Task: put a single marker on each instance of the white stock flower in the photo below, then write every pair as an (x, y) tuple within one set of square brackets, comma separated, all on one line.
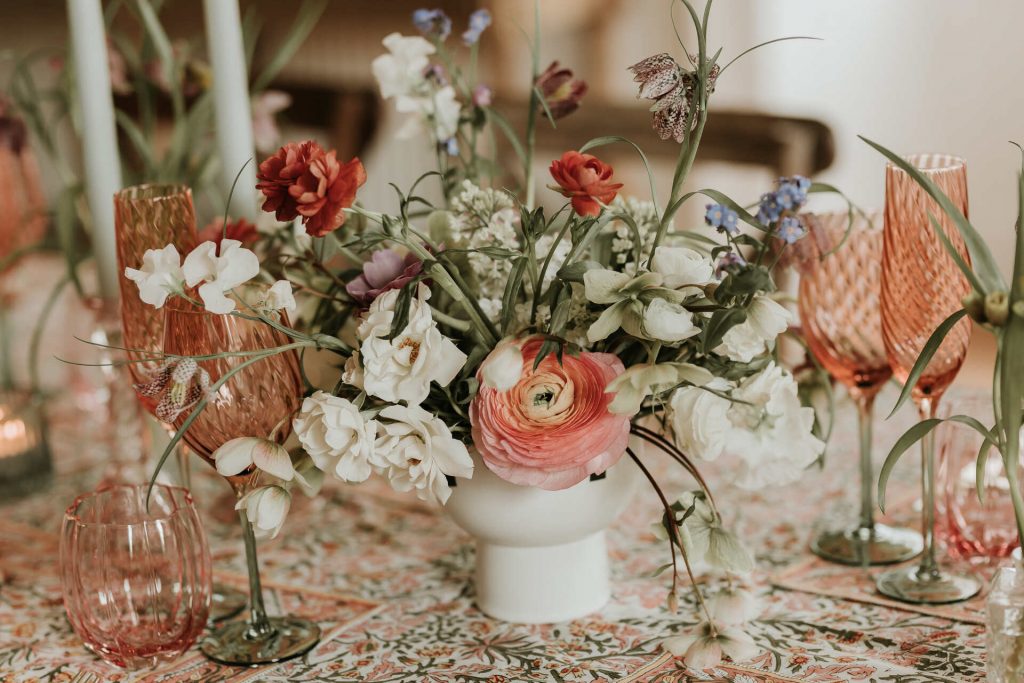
[(336, 436), (503, 366), (400, 71), (681, 266), (700, 419), (237, 455), (437, 111), (219, 273), (766, 319), (279, 297), (159, 276), (266, 508), (771, 430), (401, 369), (419, 451)]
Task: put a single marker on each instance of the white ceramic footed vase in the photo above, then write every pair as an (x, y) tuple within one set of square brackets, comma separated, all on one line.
[(541, 555)]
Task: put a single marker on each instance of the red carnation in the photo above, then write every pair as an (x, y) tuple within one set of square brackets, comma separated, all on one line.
[(586, 179), (277, 174), (325, 190)]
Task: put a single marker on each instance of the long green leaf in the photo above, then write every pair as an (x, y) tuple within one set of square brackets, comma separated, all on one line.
[(981, 257), (925, 357), (610, 139), (954, 253), (304, 23)]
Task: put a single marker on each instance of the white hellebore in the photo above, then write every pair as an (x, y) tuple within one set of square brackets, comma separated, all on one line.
[(336, 436), (159, 276), (266, 508), (401, 369), (219, 273), (400, 71), (238, 455), (503, 366), (418, 451), (766, 319), (279, 297), (700, 419), (681, 266)]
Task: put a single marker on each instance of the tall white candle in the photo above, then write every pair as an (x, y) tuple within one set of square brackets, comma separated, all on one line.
[(99, 134), (231, 103)]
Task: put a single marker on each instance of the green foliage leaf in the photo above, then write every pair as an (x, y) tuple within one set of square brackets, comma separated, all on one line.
[(721, 322), (925, 357)]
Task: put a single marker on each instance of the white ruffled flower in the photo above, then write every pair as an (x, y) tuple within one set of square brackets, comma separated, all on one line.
[(438, 111), (700, 419), (238, 455), (503, 366), (336, 436), (266, 508), (420, 451), (667, 321), (219, 273), (401, 369), (400, 72), (771, 430), (681, 266), (280, 297), (766, 319), (159, 276)]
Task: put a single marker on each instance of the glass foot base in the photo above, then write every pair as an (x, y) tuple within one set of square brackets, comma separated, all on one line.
[(235, 644), (880, 545), (226, 602), (910, 584)]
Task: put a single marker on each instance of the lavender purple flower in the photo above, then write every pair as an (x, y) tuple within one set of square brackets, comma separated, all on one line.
[(385, 270)]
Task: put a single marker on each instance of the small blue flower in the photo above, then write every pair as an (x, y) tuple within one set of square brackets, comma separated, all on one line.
[(770, 209), (451, 145), (478, 23), (792, 192), (723, 218), (433, 23), (729, 262), (791, 229)]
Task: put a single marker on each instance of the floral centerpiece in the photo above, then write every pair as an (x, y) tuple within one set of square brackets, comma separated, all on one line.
[(487, 333)]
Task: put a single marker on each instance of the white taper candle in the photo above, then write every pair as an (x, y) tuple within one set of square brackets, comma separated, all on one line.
[(231, 102), (102, 164)]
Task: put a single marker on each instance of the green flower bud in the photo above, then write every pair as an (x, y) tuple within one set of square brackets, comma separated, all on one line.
[(997, 307), (974, 303)]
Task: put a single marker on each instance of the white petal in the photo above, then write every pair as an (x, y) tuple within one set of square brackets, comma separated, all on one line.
[(234, 456), (200, 264), (273, 459), (678, 645), (214, 300), (602, 286), (503, 367), (668, 322), (236, 265)]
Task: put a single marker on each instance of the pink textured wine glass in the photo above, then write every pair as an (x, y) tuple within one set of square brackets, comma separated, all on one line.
[(842, 323), (136, 577), (921, 287)]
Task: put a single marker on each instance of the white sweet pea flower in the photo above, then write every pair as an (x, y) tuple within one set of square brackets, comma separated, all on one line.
[(400, 72), (766, 319), (336, 436), (503, 366), (437, 111), (666, 321), (700, 419), (681, 266), (159, 276), (419, 451), (280, 297), (771, 430), (238, 455), (401, 369), (266, 507), (221, 273)]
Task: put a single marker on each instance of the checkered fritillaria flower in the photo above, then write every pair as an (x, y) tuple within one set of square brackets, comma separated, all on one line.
[(180, 384)]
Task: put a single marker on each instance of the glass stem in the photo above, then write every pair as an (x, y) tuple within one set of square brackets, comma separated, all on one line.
[(929, 567), (865, 404), (259, 625)]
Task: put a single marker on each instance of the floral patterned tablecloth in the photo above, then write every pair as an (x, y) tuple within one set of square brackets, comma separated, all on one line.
[(388, 578)]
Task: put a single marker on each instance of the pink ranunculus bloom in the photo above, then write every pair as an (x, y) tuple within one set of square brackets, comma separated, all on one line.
[(553, 428), (385, 270)]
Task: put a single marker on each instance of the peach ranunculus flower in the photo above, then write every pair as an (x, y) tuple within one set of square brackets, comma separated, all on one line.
[(586, 180), (552, 429)]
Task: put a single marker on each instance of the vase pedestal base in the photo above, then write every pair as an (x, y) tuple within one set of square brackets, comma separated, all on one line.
[(542, 585)]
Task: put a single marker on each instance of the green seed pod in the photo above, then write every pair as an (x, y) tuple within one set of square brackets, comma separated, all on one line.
[(997, 308), (974, 303)]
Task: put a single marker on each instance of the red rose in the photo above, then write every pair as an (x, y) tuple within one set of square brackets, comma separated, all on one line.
[(586, 179), (278, 173), (325, 190)]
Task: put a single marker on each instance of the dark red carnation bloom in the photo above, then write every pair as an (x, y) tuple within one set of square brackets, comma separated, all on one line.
[(325, 190), (278, 173)]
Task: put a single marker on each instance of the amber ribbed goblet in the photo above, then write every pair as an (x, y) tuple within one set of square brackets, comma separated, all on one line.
[(258, 400), (921, 287), (841, 320)]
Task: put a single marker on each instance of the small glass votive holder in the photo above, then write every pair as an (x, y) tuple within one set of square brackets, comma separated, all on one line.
[(136, 575), (25, 465)]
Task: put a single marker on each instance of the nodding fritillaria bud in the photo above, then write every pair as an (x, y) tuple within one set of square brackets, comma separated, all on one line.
[(974, 303), (997, 308), (673, 602)]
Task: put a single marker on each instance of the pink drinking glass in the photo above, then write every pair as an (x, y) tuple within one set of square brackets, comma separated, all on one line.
[(136, 578)]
